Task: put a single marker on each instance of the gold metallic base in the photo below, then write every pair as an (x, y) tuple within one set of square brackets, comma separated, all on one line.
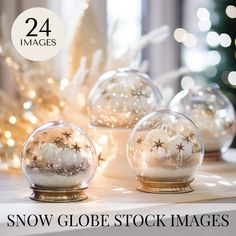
[(164, 187), (212, 156), (45, 195)]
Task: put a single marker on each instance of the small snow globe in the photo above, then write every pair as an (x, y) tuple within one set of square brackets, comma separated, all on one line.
[(213, 114), (59, 161), (119, 99), (165, 151)]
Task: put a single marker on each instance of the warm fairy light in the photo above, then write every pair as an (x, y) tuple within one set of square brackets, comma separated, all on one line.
[(98, 148), (16, 162), (203, 13), (231, 11), (12, 120), (103, 139), (190, 41), (199, 63), (85, 5), (10, 142), (39, 100), (62, 104), (204, 25), (180, 35), (187, 82), (232, 78), (30, 117), (81, 100), (50, 81), (27, 105), (32, 94), (212, 39), (8, 134), (225, 40), (33, 119), (64, 83)]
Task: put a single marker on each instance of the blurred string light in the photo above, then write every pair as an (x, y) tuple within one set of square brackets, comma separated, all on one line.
[(231, 11), (181, 36), (232, 78), (187, 82), (213, 39), (203, 13), (204, 23), (12, 120), (201, 60), (213, 58), (225, 40), (191, 41)]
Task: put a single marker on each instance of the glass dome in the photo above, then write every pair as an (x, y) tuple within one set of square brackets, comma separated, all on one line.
[(58, 157), (121, 97), (165, 150), (213, 114)]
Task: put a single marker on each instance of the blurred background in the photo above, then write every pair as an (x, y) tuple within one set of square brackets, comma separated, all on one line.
[(201, 47)]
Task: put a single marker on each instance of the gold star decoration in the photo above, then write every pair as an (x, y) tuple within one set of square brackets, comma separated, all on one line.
[(76, 147), (180, 147), (100, 158), (63, 145), (36, 141), (28, 151), (195, 145), (58, 141), (139, 140), (158, 144), (191, 135), (67, 134), (87, 146), (104, 92), (138, 93), (209, 112), (187, 139)]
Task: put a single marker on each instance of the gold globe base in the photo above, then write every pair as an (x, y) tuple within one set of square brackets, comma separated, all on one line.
[(212, 157), (45, 195), (164, 187)]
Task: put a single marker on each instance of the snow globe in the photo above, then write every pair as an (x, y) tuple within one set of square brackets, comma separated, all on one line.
[(165, 151), (118, 100), (59, 160), (213, 114)]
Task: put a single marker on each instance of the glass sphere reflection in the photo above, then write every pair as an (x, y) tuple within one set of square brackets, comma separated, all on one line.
[(165, 147), (212, 112), (121, 97), (59, 155)]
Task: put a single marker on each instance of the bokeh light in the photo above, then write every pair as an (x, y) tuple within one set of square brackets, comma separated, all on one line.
[(232, 78), (190, 41), (203, 13), (231, 11), (204, 25), (225, 40), (187, 82), (212, 39), (180, 35)]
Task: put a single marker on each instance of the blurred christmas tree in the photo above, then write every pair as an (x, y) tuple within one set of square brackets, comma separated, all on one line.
[(224, 24)]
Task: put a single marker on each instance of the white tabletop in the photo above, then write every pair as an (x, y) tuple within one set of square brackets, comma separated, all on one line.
[(215, 182)]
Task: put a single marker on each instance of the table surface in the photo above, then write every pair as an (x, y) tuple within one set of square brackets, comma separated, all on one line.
[(215, 183)]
